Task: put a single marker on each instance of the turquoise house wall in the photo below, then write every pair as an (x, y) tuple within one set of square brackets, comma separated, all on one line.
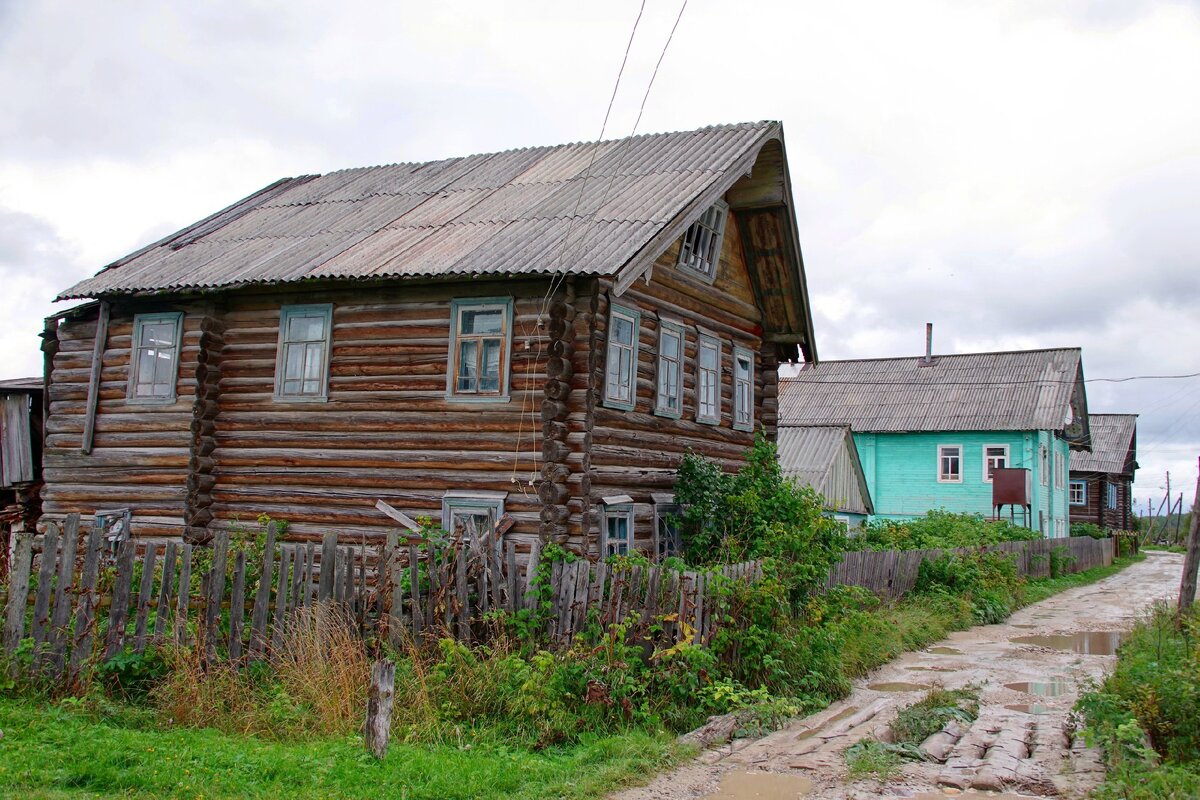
[(902, 474)]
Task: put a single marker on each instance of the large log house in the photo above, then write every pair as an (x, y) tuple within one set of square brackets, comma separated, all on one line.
[(541, 333)]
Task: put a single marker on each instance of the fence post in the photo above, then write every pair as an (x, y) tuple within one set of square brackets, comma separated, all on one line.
[(262, 598), (379, 707)]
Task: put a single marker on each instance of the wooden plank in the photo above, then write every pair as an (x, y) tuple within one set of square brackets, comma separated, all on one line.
[(85, 611), (496, 573), (328, 567), (237, 606), (216, 592), (463, 609), (348, 579), (698, 613), (118, 612), (145, 598), (18, 591), (93, 395), (165, 593), (40, 623), (281, 598), (414, 589), (482, 598), (183, 596), (515, 599), (299, 565), (379, 707), (310, 561), (262, 597), (535, 555), (399, 516), (64, 594), (387, 586), (446, 578)]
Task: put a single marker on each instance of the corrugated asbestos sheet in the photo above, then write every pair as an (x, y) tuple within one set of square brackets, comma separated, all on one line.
[(825, 458), (1112, 436), (518, 212), (1021, 390)]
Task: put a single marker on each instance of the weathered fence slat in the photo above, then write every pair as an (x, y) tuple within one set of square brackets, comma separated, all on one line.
[(64, 594), (237, 606), (164, 596), (118, 612), (145, 599), (328, 566), (85, 619), (18, 591), (281, 595), (262, 597), (216, 593), (414, 588), (41, 605), (184, 596)]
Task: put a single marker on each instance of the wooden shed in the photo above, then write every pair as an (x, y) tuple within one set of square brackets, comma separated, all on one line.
[(20, 457), (540, 333), (825, 458)]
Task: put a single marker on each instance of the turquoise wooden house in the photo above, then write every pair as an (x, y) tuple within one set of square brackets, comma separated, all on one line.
[(929, 431)]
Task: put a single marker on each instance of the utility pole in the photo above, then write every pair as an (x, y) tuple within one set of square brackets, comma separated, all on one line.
[(1191, 561)]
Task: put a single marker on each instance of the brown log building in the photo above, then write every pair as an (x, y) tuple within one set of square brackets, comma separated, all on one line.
[(541, 333), (1101, 488)]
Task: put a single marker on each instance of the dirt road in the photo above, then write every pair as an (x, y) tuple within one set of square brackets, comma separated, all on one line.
[(1029, 671)]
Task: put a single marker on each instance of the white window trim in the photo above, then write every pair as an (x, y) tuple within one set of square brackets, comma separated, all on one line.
[(664, 504), (504, 304), (284, 313), (616, 510), (635, 319), (704, 339), (1044, 464), (1060, 470), (720, 210), (466, 500), (139, 322), (942, 447), (748, 354), (1083, 492), (987, 478), (669, 327)]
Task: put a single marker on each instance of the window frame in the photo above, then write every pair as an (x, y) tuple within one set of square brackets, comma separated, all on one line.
[(987, 478), (1060, 470), (471, 500), (665, 507), (285, 313), (740, 353), (669, 327), (457, 306), (701, 417), (959, 448), (712, 222), (1111, 501), (1044, 464), (634, 317), (1082, 493), (140, 321), (616, 511)]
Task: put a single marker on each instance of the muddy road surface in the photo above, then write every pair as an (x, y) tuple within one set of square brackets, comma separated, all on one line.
[(1029, 671)]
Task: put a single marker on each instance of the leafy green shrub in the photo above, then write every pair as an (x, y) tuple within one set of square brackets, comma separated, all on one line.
[(917, 722), (131, 676), (939, 529), (1088, 529), (988, 580)]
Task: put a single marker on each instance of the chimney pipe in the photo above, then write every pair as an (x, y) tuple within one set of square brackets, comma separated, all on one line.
[(928, 342)]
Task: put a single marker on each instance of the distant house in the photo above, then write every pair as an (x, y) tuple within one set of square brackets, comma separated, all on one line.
[(540, 334), (929, 431), (1101, 489), (20, 457), (825, 458)]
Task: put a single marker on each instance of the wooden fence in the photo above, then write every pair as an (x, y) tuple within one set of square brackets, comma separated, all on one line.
[(235, 602), (893, 573)]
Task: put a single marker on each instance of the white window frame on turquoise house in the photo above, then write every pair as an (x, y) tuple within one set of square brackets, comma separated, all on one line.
[(1044, 463), (743, 389), (700, 249), (159, 353), (456, 391), (616, 510), (708, 381), (994, 461), (668, 401), (1060, 471), (621, 360), (956, 476), (1077, 493), (310, 348)]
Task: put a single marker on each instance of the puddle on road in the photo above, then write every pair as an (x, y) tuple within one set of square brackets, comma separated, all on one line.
[(1029, 708), (838, 717), (945, 651), (746, 785), (1051, 687), (897, 686), (1094, 643)]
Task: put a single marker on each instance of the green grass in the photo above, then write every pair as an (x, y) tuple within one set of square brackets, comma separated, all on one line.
[(53, 752), (1164, 548), (1041, 588)]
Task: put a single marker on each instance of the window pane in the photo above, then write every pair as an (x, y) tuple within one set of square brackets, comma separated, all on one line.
[(471, 524), (145, 371), (670, 346), (489, 380), (708, 357), (622, 330), (314, 355), (468, 366), (293, 362), (477, 321), (158, 334), (306, 328)]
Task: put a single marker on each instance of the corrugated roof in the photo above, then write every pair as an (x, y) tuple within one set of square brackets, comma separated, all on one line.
[(1112, 436), (500, 213), (21, 385), (1020, 390), (825, 458)]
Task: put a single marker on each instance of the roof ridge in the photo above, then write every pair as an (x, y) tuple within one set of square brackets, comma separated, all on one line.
[(919, 356)]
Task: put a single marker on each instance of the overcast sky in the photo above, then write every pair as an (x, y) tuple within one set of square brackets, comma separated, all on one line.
[(1022, 174)]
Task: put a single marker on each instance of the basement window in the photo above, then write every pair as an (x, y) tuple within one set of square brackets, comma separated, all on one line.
[(701, 247), (950, 463), (1078, 493), (667, 539), (670, 370), (154, 362), (302, 363), (480, 342), (472, 516), (708, 380), (743, 389), (620, 369), (617, 526)]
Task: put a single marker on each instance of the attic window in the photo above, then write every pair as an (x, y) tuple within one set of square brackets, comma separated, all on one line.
[(701, 247)]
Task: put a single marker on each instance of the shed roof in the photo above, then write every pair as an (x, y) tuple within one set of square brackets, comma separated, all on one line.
[(825, 458), (1112, 441), (499, 213), (21, 385), (1016, 390)]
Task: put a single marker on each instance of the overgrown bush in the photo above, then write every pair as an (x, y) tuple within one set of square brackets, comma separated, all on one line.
[(989, 581), (939, 529), (1088, 529)]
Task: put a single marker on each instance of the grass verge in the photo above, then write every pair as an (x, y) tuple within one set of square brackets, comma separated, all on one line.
[(56, 752), (1040, 589)]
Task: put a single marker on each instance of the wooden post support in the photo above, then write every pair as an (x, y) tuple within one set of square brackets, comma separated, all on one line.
[(379, 707), (1191, 561), (93, 395)]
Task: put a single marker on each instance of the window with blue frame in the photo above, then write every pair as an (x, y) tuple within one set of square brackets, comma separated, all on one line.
[(480, 345), (302, 362), (154, 362)]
